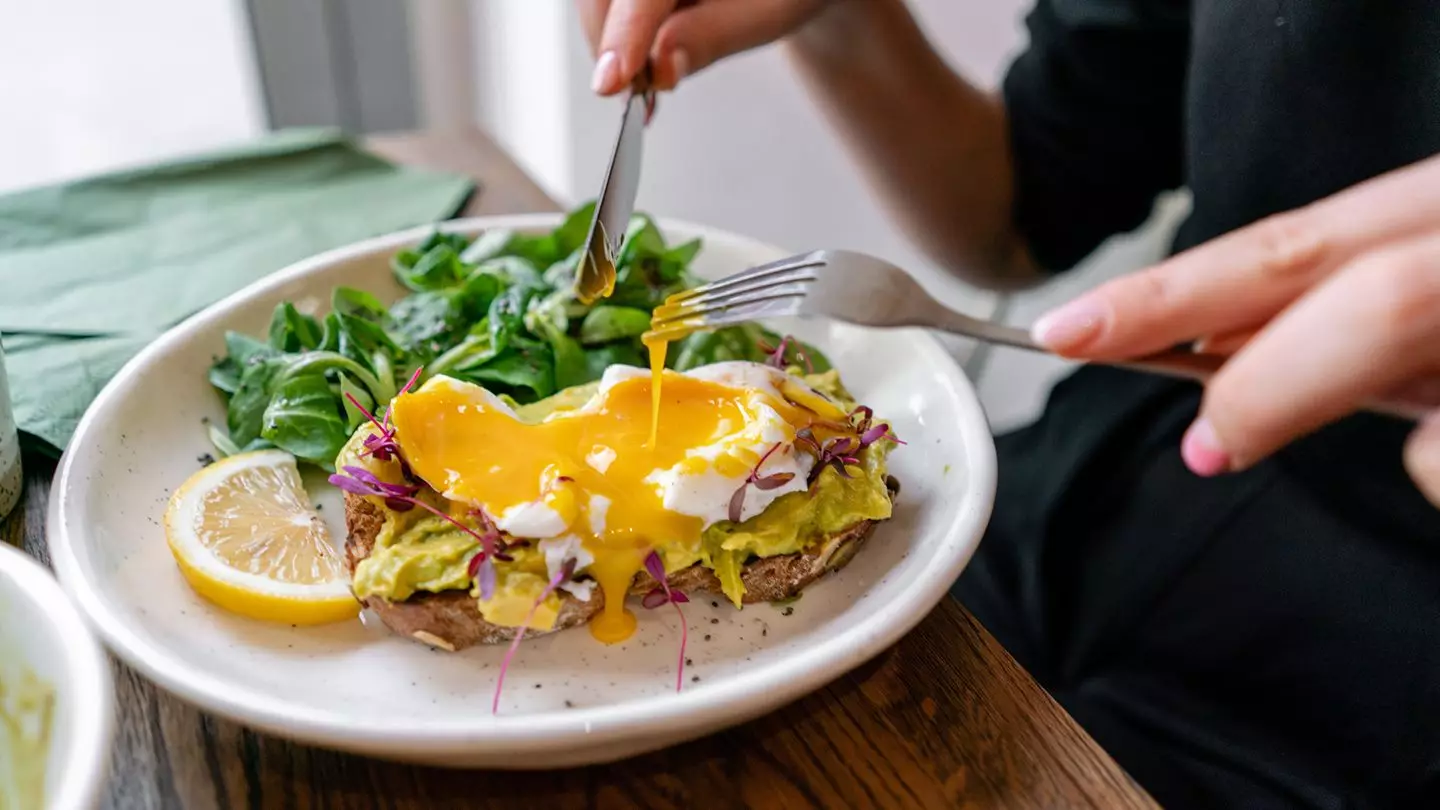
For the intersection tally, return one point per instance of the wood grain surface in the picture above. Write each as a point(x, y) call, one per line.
point(946, 718)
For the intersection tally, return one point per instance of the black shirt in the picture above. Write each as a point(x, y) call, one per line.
point(1263, 639)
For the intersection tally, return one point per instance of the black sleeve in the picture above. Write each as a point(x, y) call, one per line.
point(1096, 111)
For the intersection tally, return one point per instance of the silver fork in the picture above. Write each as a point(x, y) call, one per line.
point(865, 290)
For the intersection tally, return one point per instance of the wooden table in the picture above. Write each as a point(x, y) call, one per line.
point(946, 718)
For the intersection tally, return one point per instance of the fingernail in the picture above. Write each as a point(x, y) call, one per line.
point(1070, 327)
point(680, 63)
point(607, 73)
point(1201, 450)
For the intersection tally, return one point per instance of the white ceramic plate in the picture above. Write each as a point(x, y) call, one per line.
point(568, 699)
point(43, 637)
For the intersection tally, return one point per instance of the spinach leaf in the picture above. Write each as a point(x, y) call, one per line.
point(425, 321)
point(642, 241)
point(245, 350)
point(570, 236)
point(604, 324)
point(510, 270)
point(475, 350)
point(525, 372)
point(245, 416)
point(435, 269)
point(357, 303)
point(354, 417)
point(241, 352)
point(507, 315)
point(290, 331)
point(623, 353)
point(305, 419)
point(549, 321)
point(225, 375)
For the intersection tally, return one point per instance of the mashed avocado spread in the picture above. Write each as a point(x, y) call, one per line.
point(415, 551)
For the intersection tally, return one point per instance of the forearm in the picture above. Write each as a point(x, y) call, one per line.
point(934, 147)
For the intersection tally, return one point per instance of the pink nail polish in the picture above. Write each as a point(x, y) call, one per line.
point(1070, 327)
point(606, 69)
point(1202, 452)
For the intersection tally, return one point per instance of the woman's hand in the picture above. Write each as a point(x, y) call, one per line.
point(680, 37)
point(1321, 310)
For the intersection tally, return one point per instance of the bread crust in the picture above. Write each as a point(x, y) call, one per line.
point(451, 620)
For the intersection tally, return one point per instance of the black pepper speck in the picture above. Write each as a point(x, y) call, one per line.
point(714, 621)
point(715, 604)
point(787, 611)
point(707, 636)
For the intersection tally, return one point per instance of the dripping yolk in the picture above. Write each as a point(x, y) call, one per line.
point(588, 467)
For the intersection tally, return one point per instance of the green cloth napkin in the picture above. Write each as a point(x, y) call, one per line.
point(92, 270)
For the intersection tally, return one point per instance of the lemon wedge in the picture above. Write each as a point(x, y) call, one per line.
point(246, 537)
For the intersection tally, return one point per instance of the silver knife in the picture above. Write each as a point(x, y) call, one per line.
point(616, 201)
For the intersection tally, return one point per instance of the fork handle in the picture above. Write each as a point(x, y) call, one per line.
point(1171, 363)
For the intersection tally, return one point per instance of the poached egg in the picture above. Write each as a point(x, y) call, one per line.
point(595, 484)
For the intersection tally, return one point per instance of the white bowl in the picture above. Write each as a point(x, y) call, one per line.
point(41, 635)
point(569, 699)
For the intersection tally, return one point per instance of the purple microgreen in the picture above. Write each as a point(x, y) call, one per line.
point(383, 445)
point(567, 570)
point(737, 501)
point(788, 346)
point(662, 594)
point(401, 498)
point(486, 578)
point(873, 435)
point(775, 481)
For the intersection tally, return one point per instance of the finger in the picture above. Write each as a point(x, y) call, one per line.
point(1245, 277)
point(697, 37)
point(625, 42)
point(1225, 343)
point(1422, 458)
point(592, 20)
point(1369, 329)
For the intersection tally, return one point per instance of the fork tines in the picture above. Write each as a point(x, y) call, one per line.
point(778, 281)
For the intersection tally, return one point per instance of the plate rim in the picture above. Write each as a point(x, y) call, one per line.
point(769, 686)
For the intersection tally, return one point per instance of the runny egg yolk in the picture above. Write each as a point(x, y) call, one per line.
point(589, 465)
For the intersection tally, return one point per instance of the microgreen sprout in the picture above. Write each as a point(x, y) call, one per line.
point(567, 570)
point(837, 452)
point(382, 445)
point(663, 594)
point(788, 346)
point(760, 482)
point(870, 431)
point(401, 498)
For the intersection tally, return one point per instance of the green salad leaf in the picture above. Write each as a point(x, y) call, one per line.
point(498, 311)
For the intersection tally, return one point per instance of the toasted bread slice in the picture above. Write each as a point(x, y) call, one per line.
point(451, 620)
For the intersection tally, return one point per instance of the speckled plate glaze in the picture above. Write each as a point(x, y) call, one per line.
point(568, 699)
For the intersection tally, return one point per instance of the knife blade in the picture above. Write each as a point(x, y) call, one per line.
point(616, 201)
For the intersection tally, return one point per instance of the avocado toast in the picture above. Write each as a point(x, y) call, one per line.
point(809, 463)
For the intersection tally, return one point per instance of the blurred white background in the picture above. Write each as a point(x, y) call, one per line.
point(96, 84)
